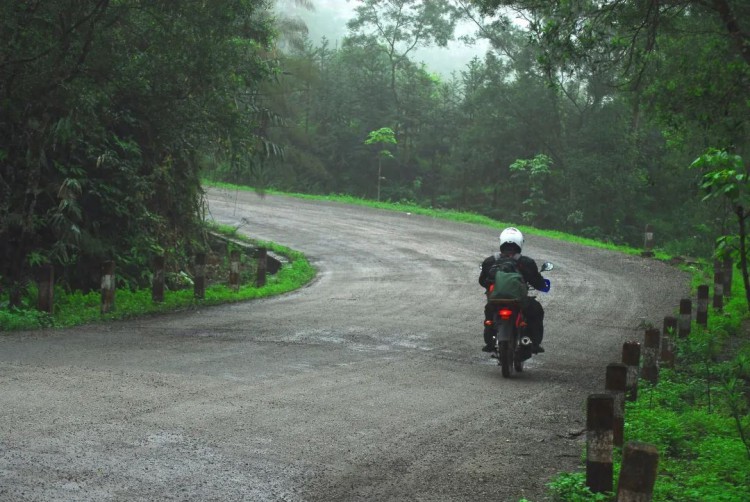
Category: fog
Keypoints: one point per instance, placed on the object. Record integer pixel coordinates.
(329, 18)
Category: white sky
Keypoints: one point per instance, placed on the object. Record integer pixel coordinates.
(330, 16)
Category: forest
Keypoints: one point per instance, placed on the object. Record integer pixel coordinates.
(590, 117)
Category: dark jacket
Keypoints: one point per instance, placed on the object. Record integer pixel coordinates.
(526, 266)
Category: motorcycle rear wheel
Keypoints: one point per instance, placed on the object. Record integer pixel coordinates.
(505, 355)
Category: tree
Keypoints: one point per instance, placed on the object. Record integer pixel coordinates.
(108, 110)
(398, 27)
(681, 67)
(619, 121)
(726, 177)
(621, 43)
(381, 137)
(534, 172)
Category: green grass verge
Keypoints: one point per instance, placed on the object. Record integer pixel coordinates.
(696, 415)
(74, 309)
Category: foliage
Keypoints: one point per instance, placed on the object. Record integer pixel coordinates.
(725, 177)
(23, 318)
(534, 172)
(678, 73)
(131, 102)
(383, 137)
(76, 308)
(397, 27)
(617, 164)
(571, 487)
(111, 112)
(698, 415)
(108, 108)
(701, 456)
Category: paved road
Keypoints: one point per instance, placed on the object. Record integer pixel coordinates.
(368, 384)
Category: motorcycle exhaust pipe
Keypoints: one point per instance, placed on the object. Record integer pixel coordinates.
(525, 341)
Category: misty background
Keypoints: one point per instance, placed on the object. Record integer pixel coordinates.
(328, 19)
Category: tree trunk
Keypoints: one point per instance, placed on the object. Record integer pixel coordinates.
(380, 163)
(736, 35)
(741, 217)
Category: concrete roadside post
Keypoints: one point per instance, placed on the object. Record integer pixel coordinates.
(157, 285)
(648, 242)
(638, 473)
(45, 279)
(651, 349)
(199, 281)
(599, 419)
(262, 266)
(686, 317)
(615, 385)
(108, 287)
(701, 316)
(234, 270)
(631, 357)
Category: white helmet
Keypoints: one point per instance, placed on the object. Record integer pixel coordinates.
(511, 235)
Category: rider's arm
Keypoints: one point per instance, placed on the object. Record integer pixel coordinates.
(484, 274)
(531, 273)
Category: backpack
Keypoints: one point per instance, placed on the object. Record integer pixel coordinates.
(507, 282)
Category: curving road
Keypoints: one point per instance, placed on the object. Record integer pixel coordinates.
(368, 384)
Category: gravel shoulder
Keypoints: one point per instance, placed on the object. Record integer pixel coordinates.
(367, 384)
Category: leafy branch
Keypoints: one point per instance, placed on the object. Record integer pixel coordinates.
(383, 136)
(725, 177)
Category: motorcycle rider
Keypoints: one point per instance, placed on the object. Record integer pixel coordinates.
(511, 244)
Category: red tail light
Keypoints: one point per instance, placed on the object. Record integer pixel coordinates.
(505, 314)
(492, 287)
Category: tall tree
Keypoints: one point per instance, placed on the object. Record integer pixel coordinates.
(107, 110)
(682, 66)
(621, 40)
(398, 28)
(381, 138)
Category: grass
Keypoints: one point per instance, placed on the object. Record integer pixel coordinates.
(76, 308)
(697, 416)
(701, 456)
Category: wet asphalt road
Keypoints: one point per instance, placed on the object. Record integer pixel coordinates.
(367, 384)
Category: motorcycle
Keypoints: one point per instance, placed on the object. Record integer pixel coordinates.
(512, 345)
